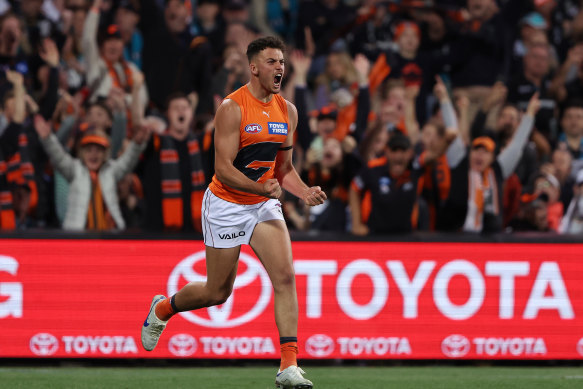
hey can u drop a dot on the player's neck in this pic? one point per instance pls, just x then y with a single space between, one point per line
259 92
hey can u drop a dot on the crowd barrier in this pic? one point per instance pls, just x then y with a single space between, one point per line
485 299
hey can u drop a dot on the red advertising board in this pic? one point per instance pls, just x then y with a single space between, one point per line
364 300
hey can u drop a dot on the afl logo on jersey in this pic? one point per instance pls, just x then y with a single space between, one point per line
253 128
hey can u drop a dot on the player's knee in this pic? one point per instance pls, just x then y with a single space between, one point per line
221 296
285 279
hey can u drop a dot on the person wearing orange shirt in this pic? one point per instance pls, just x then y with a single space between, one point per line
253 139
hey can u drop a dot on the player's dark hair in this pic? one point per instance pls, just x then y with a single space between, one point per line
268 42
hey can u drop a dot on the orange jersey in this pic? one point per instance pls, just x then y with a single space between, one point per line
264 127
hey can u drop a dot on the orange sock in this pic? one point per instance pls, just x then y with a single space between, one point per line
164 310
289 353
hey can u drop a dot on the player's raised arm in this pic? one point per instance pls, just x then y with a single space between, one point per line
286 173
227 138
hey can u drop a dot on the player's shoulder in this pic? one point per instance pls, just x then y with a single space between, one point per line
229 106
229 110
291 108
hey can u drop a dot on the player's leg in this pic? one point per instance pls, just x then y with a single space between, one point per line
271 243
221 265
222 254
221 272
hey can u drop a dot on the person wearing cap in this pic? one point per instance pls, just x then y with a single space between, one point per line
92 200
383 194
572 222
529 25
106 67
477 178
506 124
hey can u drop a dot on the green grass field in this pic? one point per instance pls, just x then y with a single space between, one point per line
262 377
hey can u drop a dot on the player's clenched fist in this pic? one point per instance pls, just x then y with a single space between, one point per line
271 189
314 196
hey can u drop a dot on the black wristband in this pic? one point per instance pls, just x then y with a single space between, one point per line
285 148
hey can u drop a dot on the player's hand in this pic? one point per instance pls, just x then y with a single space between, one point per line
271 189
314 196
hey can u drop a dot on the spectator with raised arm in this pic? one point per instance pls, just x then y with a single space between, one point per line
507 122
127 18
476 195
568 82
106 67
383 195
23 167
534 76
435 139
12 56
480 55
14 111
73 65
172 172
92 199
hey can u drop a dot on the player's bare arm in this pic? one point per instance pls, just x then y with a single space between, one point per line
286 173
227 138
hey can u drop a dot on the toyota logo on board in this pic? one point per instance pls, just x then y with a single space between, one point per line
455 346
320 345
182 345
222 316
44 344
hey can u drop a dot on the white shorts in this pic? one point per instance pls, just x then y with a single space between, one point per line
226 224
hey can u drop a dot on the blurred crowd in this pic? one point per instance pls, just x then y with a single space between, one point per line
427 115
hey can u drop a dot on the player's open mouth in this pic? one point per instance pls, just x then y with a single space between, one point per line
277 80
181 119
